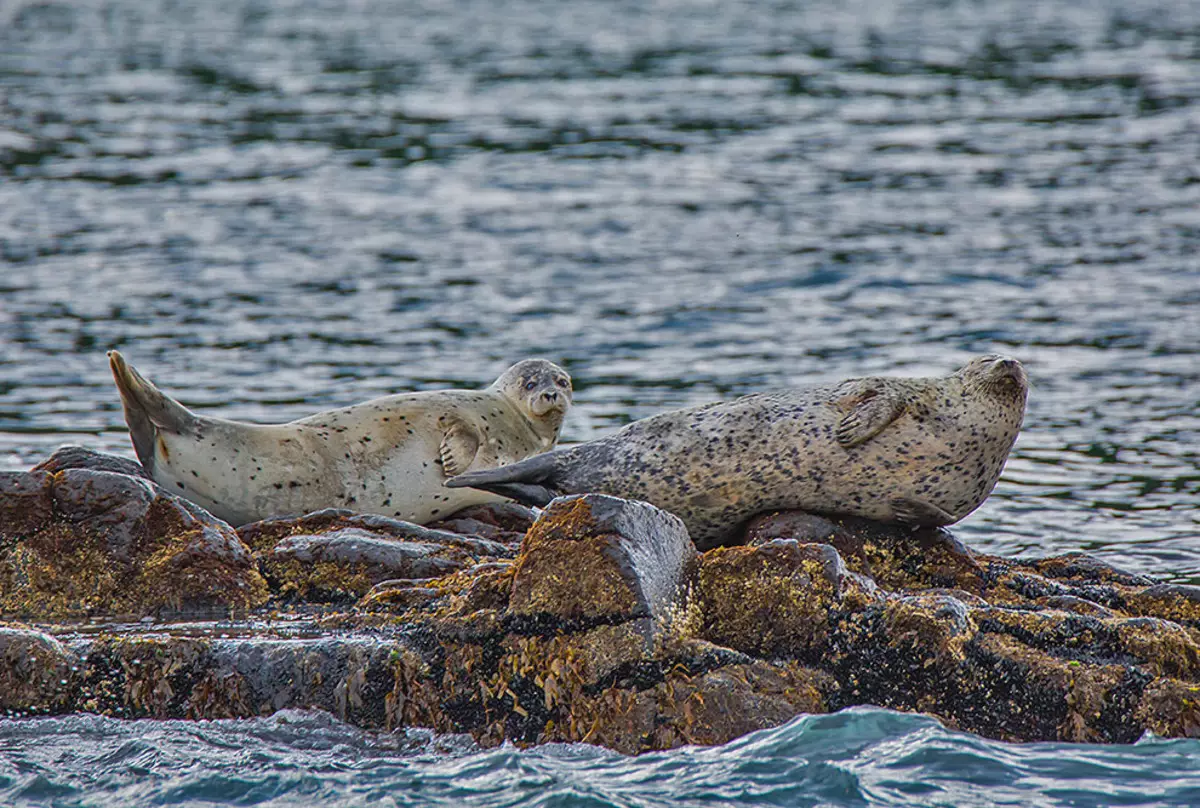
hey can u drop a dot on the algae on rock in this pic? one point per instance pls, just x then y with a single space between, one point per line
603 626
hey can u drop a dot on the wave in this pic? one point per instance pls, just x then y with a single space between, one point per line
857 757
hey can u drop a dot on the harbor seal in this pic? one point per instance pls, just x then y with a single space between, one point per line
387 456
923 451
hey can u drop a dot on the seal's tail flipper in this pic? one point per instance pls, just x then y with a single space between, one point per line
147 410
520 481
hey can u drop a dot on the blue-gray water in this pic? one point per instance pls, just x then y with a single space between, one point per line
277 206
859 757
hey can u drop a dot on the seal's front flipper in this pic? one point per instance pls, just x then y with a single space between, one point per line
916 512
873 410
530 481
535 496
460 444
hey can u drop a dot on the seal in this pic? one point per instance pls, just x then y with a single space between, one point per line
386 456
916 451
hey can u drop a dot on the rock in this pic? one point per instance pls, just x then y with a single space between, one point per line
337 555
399 594
1170 708
773 599
1087 568
711 707
502 521
597 558
728 702
36 672
159 676
77 457
26 503
1177 602
263 536
81 541
894 556
604 626
346 563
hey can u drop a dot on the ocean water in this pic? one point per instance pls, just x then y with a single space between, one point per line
278 206
859 757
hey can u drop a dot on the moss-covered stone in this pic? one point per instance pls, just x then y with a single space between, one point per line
774 599
603 626
893 556
79 541
598 558
37 674
336 556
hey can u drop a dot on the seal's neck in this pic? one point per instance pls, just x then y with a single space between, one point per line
547 426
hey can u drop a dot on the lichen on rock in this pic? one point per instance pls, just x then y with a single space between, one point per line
83 541
602 624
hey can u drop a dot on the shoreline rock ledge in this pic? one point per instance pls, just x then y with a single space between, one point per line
596 621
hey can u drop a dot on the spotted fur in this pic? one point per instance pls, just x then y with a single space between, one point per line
919 451
383 456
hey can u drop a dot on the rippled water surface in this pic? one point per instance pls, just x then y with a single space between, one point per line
859 757
278 206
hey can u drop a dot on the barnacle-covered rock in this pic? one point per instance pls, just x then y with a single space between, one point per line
82 541
594 557
602 624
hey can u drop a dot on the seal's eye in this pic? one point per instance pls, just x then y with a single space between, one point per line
530 385
560 381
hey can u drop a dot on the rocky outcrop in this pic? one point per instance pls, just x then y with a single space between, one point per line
82 540
598 558
598 622
338 555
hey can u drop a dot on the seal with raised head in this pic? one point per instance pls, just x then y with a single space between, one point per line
386 456
923 451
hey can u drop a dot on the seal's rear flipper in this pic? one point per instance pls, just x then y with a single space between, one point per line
917 512
519 481
147 410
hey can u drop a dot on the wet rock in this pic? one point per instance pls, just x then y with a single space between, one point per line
1177 602
1170 708
400 594
349 678
595 557
336 555
263 536
163 676
603 626
775 598
37 674
507 522
726 703
77 457
1086 568
346 563
894 556
81 541
26 503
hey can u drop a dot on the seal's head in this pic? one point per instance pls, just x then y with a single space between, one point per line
995 376
541 390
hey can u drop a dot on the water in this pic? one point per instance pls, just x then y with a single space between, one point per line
278 206
860 757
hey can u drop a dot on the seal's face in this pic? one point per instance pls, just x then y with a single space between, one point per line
541 389
996 376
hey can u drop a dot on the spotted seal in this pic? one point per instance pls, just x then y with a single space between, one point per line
920 451
387 456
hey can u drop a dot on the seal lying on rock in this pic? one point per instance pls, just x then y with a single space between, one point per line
915 451
388 456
